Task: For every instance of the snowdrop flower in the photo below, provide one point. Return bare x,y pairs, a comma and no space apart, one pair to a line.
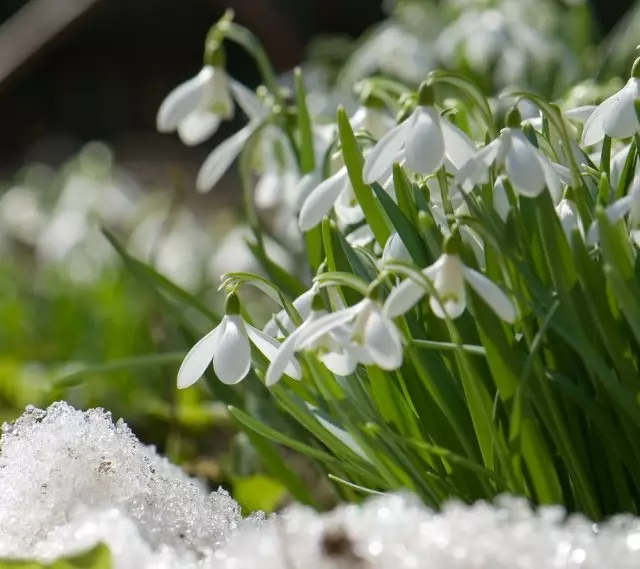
372,118
616,116
528,169
448,276
360,333
395,249
279,175
569,218
196,107
221,158
227,347
425,139
628,205
500,199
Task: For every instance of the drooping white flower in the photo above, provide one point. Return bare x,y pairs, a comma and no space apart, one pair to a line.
221,157
361,333
227,347
528,169
448,276
425,139
196,107
628,205
373,120
395,249
569,218
616,116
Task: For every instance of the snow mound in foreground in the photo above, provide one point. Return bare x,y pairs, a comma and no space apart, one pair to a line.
70,480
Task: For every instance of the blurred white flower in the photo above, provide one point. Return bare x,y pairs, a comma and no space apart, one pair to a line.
375,121
395,249
221,158
448,276
569,218
196,107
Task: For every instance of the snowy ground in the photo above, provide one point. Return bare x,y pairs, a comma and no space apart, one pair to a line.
70,480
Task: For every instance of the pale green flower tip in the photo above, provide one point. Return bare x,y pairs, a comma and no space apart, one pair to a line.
426,95
453,243
513,118
232,304
635,69
215,55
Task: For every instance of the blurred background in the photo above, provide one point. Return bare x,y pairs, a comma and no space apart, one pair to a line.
80,85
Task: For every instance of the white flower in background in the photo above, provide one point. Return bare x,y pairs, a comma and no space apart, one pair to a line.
227,347
500,199
628,205
360,333
528,169
448,276
372,119
221,157
569,218
395,249
616,116
279,177
232,253
196,107
424,139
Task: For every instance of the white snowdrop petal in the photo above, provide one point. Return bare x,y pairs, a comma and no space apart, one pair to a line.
182,100
197,127
361,236
219,161
395,248
313,330
424,144
282,358
382,341
551,177
500,199
620,208
594,127
248,101
523,167
620,121
492,294
347,208
267,190
384,153
475,170
580,114
304,302
269,347
340,363
403,298
232,360
453,306
458,146
321,200
199,357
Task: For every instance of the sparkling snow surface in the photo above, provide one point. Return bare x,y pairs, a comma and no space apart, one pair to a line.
70,480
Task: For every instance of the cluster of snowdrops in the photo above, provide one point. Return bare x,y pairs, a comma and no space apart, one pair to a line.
473,266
